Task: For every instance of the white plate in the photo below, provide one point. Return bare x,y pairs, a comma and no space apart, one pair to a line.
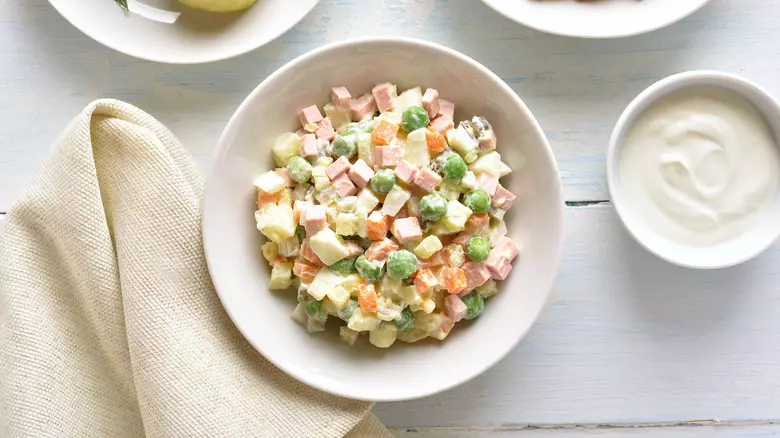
197,36
598,18
232,242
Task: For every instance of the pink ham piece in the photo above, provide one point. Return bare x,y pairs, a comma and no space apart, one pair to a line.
427,179
343,185
446,109
476,275
341,98
337,168
353,247
361,173
488,143
308,147
383,95
309,116
506,248
288,182
314,219
462,238
430,102
454,307
325,130
406,229
487,182
363,108
387,156
503,198
442,124
301,133
405,171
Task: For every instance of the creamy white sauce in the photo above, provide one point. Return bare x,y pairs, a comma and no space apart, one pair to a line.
699,166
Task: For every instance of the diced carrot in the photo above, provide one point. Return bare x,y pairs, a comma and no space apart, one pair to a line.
454,280
425,281
435,141
377,226
280,259
477,222
384,133
367,297
379,251
265,198
305,271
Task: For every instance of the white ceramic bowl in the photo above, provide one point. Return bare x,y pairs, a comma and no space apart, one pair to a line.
197,37
597,19
232,241
764,231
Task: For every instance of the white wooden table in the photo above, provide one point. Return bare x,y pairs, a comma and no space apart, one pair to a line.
629,346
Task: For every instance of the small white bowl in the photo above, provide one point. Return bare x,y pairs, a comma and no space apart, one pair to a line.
232,242
754,241
197,36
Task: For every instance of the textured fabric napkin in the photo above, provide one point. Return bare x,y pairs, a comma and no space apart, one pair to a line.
109,323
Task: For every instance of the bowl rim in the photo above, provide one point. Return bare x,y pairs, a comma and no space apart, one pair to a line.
194,60
225,141
670,84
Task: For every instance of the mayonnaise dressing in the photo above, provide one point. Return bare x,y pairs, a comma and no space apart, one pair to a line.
699,166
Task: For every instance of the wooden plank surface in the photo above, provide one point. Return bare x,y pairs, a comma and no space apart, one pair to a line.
577,88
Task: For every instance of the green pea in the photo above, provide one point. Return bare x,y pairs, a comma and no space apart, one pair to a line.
299,169
349,309
401,264
477,200
344,146
406,322
313,308
433,207
453,167
383,181
414,118
478,249
343,267
370,271
475,304
300,232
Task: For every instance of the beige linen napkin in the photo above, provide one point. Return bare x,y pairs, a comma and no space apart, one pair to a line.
109,323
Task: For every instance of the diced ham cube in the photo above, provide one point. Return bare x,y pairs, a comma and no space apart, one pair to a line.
427,179
488,142
341,98
406,229
343,185
383,95
462,238
387,156
354,248
487,182
379,251
405,171
506,248
363,108
301,132
325,130
442,124
498,266
476,274
503,198
337,168
314,219
308,147
361,173
309,116
430,102
455,308
309,254
288,182
447,109
304,271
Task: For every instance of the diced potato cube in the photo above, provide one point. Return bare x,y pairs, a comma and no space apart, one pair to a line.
348,335
314,326
409,98
461,141
428,305
285,197
428,247
347,224
367,200
384,336
395,200
412,297
387,310
469,180
391,287
456,257
428,321
416,148
270,182
488,289
392,117
299,315
491,164
339,118
338,296
361,217
362,321
365,148
320,178
276,222
412,335
347,204
497,231
281,276
270,251
285,148
328,246
324,161
350,282
302,192
323,282
289,247
456,217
